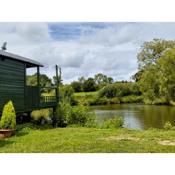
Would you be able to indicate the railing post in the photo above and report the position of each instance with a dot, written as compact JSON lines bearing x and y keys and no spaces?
{"x":38,"y":83}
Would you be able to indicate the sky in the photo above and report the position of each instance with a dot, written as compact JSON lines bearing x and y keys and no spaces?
{"x":83,"y":49}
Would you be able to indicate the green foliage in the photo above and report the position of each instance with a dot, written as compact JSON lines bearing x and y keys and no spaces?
{"x":91,"y":121}
{"x":116,"y":122}
{"x":89,"y":85}
{"x":45,"y":81}
{"x":41,"y":116}
{"x":156,"y":75}
{"x":119,"y":90}
{"x":108,"y":91}
{"x":102,"y":80}
{"x":131,"y":99}
{"x":77,"y":86}
{"x":79,"y":116}
{"x":66,"y":94}
{"x":157,"y":82}
{"x":168,"y":126}
{"x":63,"y":113}
{"x":8,"y":119}
{"x":152,"y":50}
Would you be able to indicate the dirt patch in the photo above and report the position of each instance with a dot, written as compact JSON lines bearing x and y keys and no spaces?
{"x":166,"y":142}
{"x":120,"y":138}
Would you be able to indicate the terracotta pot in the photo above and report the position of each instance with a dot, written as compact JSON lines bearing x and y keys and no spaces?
{"x":4,"y":133}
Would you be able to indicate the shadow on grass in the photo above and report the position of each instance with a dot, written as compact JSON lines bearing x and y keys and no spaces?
{"x":21,"y":133}
{"x":4,"y":142}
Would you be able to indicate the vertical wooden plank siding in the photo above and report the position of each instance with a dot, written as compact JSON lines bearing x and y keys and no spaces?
{"x":38,"y":84}
{"x":11,"y":83}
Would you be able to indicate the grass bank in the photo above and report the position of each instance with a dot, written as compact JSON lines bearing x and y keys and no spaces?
{"x":92,"y":98}
{"x":88,"y":140}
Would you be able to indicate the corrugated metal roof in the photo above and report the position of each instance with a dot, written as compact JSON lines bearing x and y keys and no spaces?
{"x":20,"y":58}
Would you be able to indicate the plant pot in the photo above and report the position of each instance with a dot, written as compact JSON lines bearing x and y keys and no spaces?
{"x":4,"y":133}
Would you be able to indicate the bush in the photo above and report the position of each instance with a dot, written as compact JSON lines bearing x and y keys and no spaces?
{"x":108,"y":91}
{"x":168,"y":126}
{"x":78,"y":116}
{"x":119,"y":90}
{"x":42,"y":116}
{"x":66,"y":94}
{"x":116,"y":122}
{"x":8,"y":119}
{"x":63,"y":113}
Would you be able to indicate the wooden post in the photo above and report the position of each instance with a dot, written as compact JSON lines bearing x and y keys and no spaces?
{"x":58,"y":81}
{"x":38,"y":84}
{"x":25,"y":86}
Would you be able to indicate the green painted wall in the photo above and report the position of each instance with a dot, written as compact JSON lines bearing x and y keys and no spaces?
{"x":12,"y":83}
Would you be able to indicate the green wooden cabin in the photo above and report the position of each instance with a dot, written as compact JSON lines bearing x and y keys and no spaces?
{"x":13,"y":84}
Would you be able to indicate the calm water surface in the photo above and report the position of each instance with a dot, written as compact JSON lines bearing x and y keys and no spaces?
{"x":137,"y":116}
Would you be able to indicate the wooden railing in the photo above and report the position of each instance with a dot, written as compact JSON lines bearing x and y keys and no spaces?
{"x":48,"y":101}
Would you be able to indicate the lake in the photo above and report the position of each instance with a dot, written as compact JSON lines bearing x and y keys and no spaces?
{"x":137,"y":116}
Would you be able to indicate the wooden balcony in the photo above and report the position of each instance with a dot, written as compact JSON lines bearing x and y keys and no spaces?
{"x":48,"y":101}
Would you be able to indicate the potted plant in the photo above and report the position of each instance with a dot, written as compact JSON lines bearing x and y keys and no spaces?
{"x":8,"y":120}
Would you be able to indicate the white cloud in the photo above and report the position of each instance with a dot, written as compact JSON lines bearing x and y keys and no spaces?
{"x":111,"y":50}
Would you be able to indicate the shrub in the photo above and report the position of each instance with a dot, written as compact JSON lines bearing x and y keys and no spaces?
{"x":66,"y":94}
{"x":8,"y":119}
{"x":41,"y":116}
{"x":119,"y":90}
{"x":116,"y":122}
{"x":91,"y":121}
{"x":168,"y":126}
{"x":108,"y":91}
{"x":78,"y":116}
{"x":63,"y":113}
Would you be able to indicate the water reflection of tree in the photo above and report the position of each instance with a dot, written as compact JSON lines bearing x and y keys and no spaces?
{"x":155,"y":116}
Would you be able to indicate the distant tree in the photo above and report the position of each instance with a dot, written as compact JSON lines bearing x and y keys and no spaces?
{"x":110,"y":80}
{"x":89,"y":85}
{"x":77,"y":86}
{"x":45,"y":81}
{"x":81,"y":80}
{"x":55,"y":80}
{"x":100,"y":78}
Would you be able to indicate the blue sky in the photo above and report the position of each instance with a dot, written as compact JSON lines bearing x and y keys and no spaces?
{"x":84,"y":49}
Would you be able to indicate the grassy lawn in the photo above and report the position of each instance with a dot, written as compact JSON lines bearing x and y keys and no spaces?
{"x":89,"y":140}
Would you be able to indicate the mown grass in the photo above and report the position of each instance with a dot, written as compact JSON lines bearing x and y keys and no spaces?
{"x":31,"y":139}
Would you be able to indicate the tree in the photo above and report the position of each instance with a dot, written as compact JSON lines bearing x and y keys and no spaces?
{"x":158,"y":80}
{"x":8,"y":119}
{"x":89,"y":85}
{"x":45,"y":81}
{"x":166,"y":67}
{"x":149,"y":83}
{"x":152,"y":50}
{"x":77,"y":86}
{"x":100,"y":78}
{"x":110,"y":80}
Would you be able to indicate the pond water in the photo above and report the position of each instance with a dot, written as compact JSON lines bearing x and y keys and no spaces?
{"x":137,"y":116}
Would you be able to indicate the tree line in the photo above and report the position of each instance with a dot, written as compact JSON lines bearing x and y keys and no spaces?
{"x":155,"y":78}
